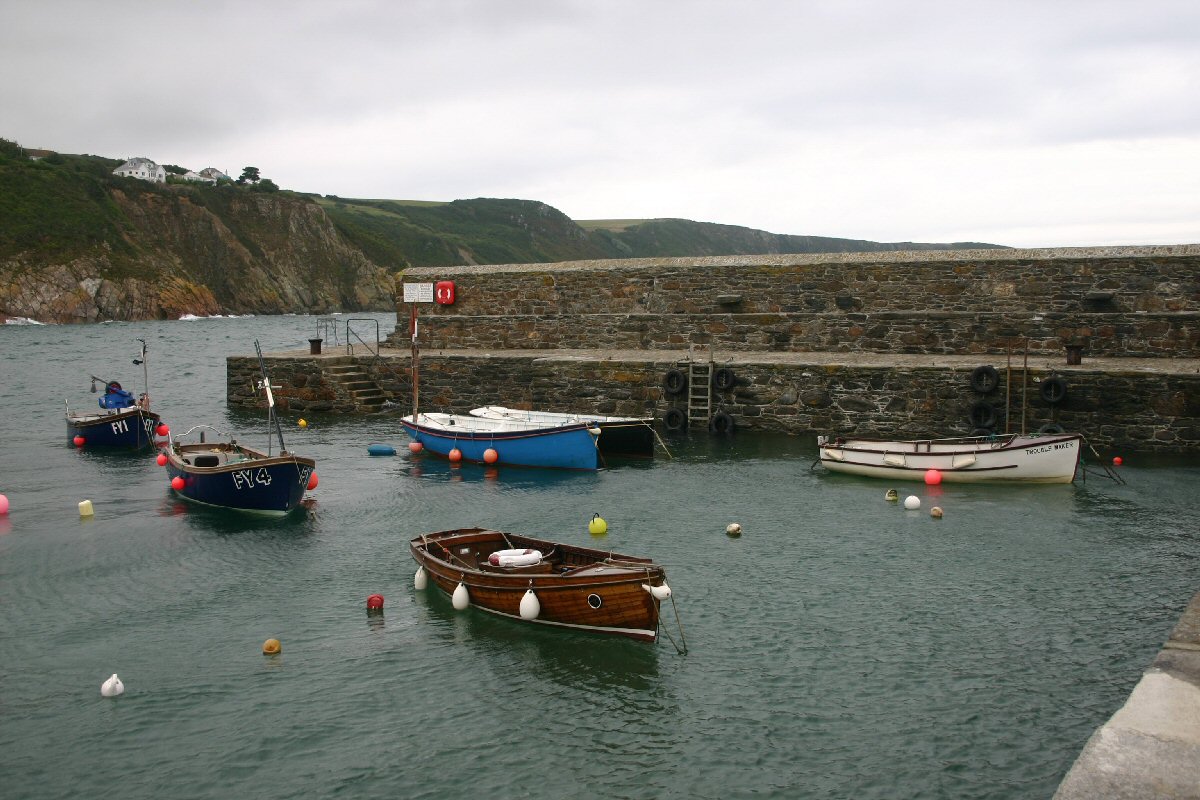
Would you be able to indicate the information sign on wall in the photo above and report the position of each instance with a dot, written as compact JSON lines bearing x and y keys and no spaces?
{"x":418,"y":292}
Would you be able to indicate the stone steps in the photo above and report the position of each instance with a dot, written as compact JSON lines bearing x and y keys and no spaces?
{"x":355,"y":382}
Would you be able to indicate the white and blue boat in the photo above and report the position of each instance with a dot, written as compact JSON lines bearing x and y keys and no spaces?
{"x":505,"y":441}
{"x":122,"y":422}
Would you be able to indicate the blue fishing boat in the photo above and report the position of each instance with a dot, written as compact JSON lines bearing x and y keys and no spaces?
{"x":502,"y":441}
{"x":122,"y":421}
{"x":231,"y":475}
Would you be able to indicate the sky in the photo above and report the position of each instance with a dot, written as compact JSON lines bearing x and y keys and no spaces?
{"x":1030,"y":123}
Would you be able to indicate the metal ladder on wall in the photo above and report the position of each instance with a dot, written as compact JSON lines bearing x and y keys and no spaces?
{"x":699,"y":397}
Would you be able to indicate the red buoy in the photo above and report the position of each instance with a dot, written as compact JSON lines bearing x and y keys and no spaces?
{"x":490,"y":456}
{"x":177,"y":483}
{"x":312,"y":481}
{"x":162,"y":429}
{"x":933,"y":477}
{"x":1118,"y":461}
{"x":455,"y":455}
{"x":79,"y":440}
{"x":161,"y":460}
{"x":375,"y":602}
{"x":415,"y":447}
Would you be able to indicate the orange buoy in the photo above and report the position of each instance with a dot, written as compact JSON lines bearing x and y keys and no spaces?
{"x":272,"y":647}
{"x":455,"y":454}
{"x":490,"y":456}
{"x":415,"y":447}
{"x":312,"y":481}
{"x":79,"y":441}
{"x":162,"y":429}
{"x":375,"y":602}
{"x":932,"y":477}
{"x":177,"y":483}
{"x":1118,"y":461}
{"x":161,"y":460}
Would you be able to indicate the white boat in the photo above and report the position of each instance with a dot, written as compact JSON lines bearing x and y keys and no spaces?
{"x":1010,"y":458}
{"x":631,"y":436}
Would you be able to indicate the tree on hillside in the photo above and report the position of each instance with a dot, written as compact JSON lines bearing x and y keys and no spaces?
{"x":266,"y":185}
{"x":174,"y":169}
{"x":249,"y":175}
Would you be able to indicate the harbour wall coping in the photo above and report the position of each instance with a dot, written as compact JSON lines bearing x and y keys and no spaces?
{"x":1150,"y":748}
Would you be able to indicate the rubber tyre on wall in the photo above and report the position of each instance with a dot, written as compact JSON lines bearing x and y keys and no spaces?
{"x":674,"y":382}
{"x":1051,"y":428}
{"x":983,"y":432}
{"x":982,"y":415}
{"x":674,"y":420}
{"x":721,"y":423}
{"x":985,"y":379}
{"x":1053,"y":389}
{"x":724,"y":379}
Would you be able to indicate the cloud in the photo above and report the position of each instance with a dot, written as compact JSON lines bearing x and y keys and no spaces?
{"x":1025,"y":123}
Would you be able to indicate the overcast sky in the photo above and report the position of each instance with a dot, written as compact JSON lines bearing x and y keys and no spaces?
{"x":1034,"y":124}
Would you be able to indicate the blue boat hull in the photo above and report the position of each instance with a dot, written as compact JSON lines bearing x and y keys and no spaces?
{"x":566,"y":447}
{"x":130,"y":428}
{"x":264,"y":485}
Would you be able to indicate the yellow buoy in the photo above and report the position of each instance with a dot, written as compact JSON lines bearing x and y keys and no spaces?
{"x":85,"y":508}
{"x":272,"y":647}
{"x":303,"y":423}
{"x":597,"y":526}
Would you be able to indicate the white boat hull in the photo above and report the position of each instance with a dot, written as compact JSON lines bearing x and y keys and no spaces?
{"x":1003,"y":459}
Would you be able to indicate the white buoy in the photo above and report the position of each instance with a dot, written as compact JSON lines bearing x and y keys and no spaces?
{"x":659,"y":592}
{"x":112,"y":687}
{"x":420,"y":579}
{"x":912,"y":502}
{"x":530,"y":607}
{"x":733,"y":529}
{"x":85,"y":508}
{"x":461,"y":597}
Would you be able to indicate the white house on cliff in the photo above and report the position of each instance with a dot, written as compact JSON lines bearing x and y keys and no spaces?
{"x":142,"y":168}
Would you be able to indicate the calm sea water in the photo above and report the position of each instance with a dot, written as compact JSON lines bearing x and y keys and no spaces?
{"x":841,"y":647}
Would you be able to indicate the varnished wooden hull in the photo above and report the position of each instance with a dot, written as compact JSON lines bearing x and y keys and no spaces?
{"x":579,"y":588}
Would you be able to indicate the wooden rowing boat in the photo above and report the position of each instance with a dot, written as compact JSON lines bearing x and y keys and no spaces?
{"x":545,"y":582}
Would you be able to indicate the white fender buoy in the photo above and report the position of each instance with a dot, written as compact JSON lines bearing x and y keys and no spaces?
{"x":733,"y":529}
{"x":461,"y":597}
{"x":530,"y":607}
{"x":912,"y":502}
{"x":659,"y":592}
{"x":420,"y":579}
{"x":112,"y":687}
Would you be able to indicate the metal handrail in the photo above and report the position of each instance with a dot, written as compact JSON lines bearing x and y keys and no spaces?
{"x":350,"y":332}
{"x":325,"y":327}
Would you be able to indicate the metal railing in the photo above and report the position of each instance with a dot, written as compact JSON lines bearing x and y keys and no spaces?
{"x":352,"y":335}
{"x":327,"y":330}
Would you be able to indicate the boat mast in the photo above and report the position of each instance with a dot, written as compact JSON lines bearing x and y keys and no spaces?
{"x":272,"y":419}
{"x":145,"y":371}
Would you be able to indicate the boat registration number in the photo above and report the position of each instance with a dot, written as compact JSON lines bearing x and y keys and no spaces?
{"x":249,"y":478}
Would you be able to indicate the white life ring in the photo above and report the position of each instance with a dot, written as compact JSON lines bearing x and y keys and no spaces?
{"x":514,"y":558}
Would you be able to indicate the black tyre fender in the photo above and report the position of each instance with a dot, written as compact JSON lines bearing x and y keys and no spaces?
{"x":721,"y":423}
{"x":724,"y":379}
{"x":674,"y":382}
{"x":985,"y":379}
{"x":674,"y":419}
{"x":1051,"y":428}
{"x":983,"y":432}
{"x":1053,"y":389}
{"x":982,"y":415}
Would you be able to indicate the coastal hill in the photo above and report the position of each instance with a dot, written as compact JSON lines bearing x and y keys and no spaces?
{"x":80,"y":244}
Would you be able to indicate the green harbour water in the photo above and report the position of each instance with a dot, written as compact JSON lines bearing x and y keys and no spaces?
{"x":841,"y":647}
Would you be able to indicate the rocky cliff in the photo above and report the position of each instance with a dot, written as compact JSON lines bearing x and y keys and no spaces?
{"x":165,"y":251}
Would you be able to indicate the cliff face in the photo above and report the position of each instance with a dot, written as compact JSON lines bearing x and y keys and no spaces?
{"x":209,"y":250}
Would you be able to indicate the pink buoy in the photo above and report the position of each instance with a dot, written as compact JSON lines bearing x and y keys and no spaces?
{"x":161,"y":460}
{"x":312,"y":481}
{"x":415,"y":447}
{"x":375,"y":602}
{"x":933,"y":477}
{"x":3,"y":505}
{"x":490,"y":456}
{"x":79,"y":441}
{"x":454,"y":455}
{"x":177,"y":483}
{"x":162,"y":429}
